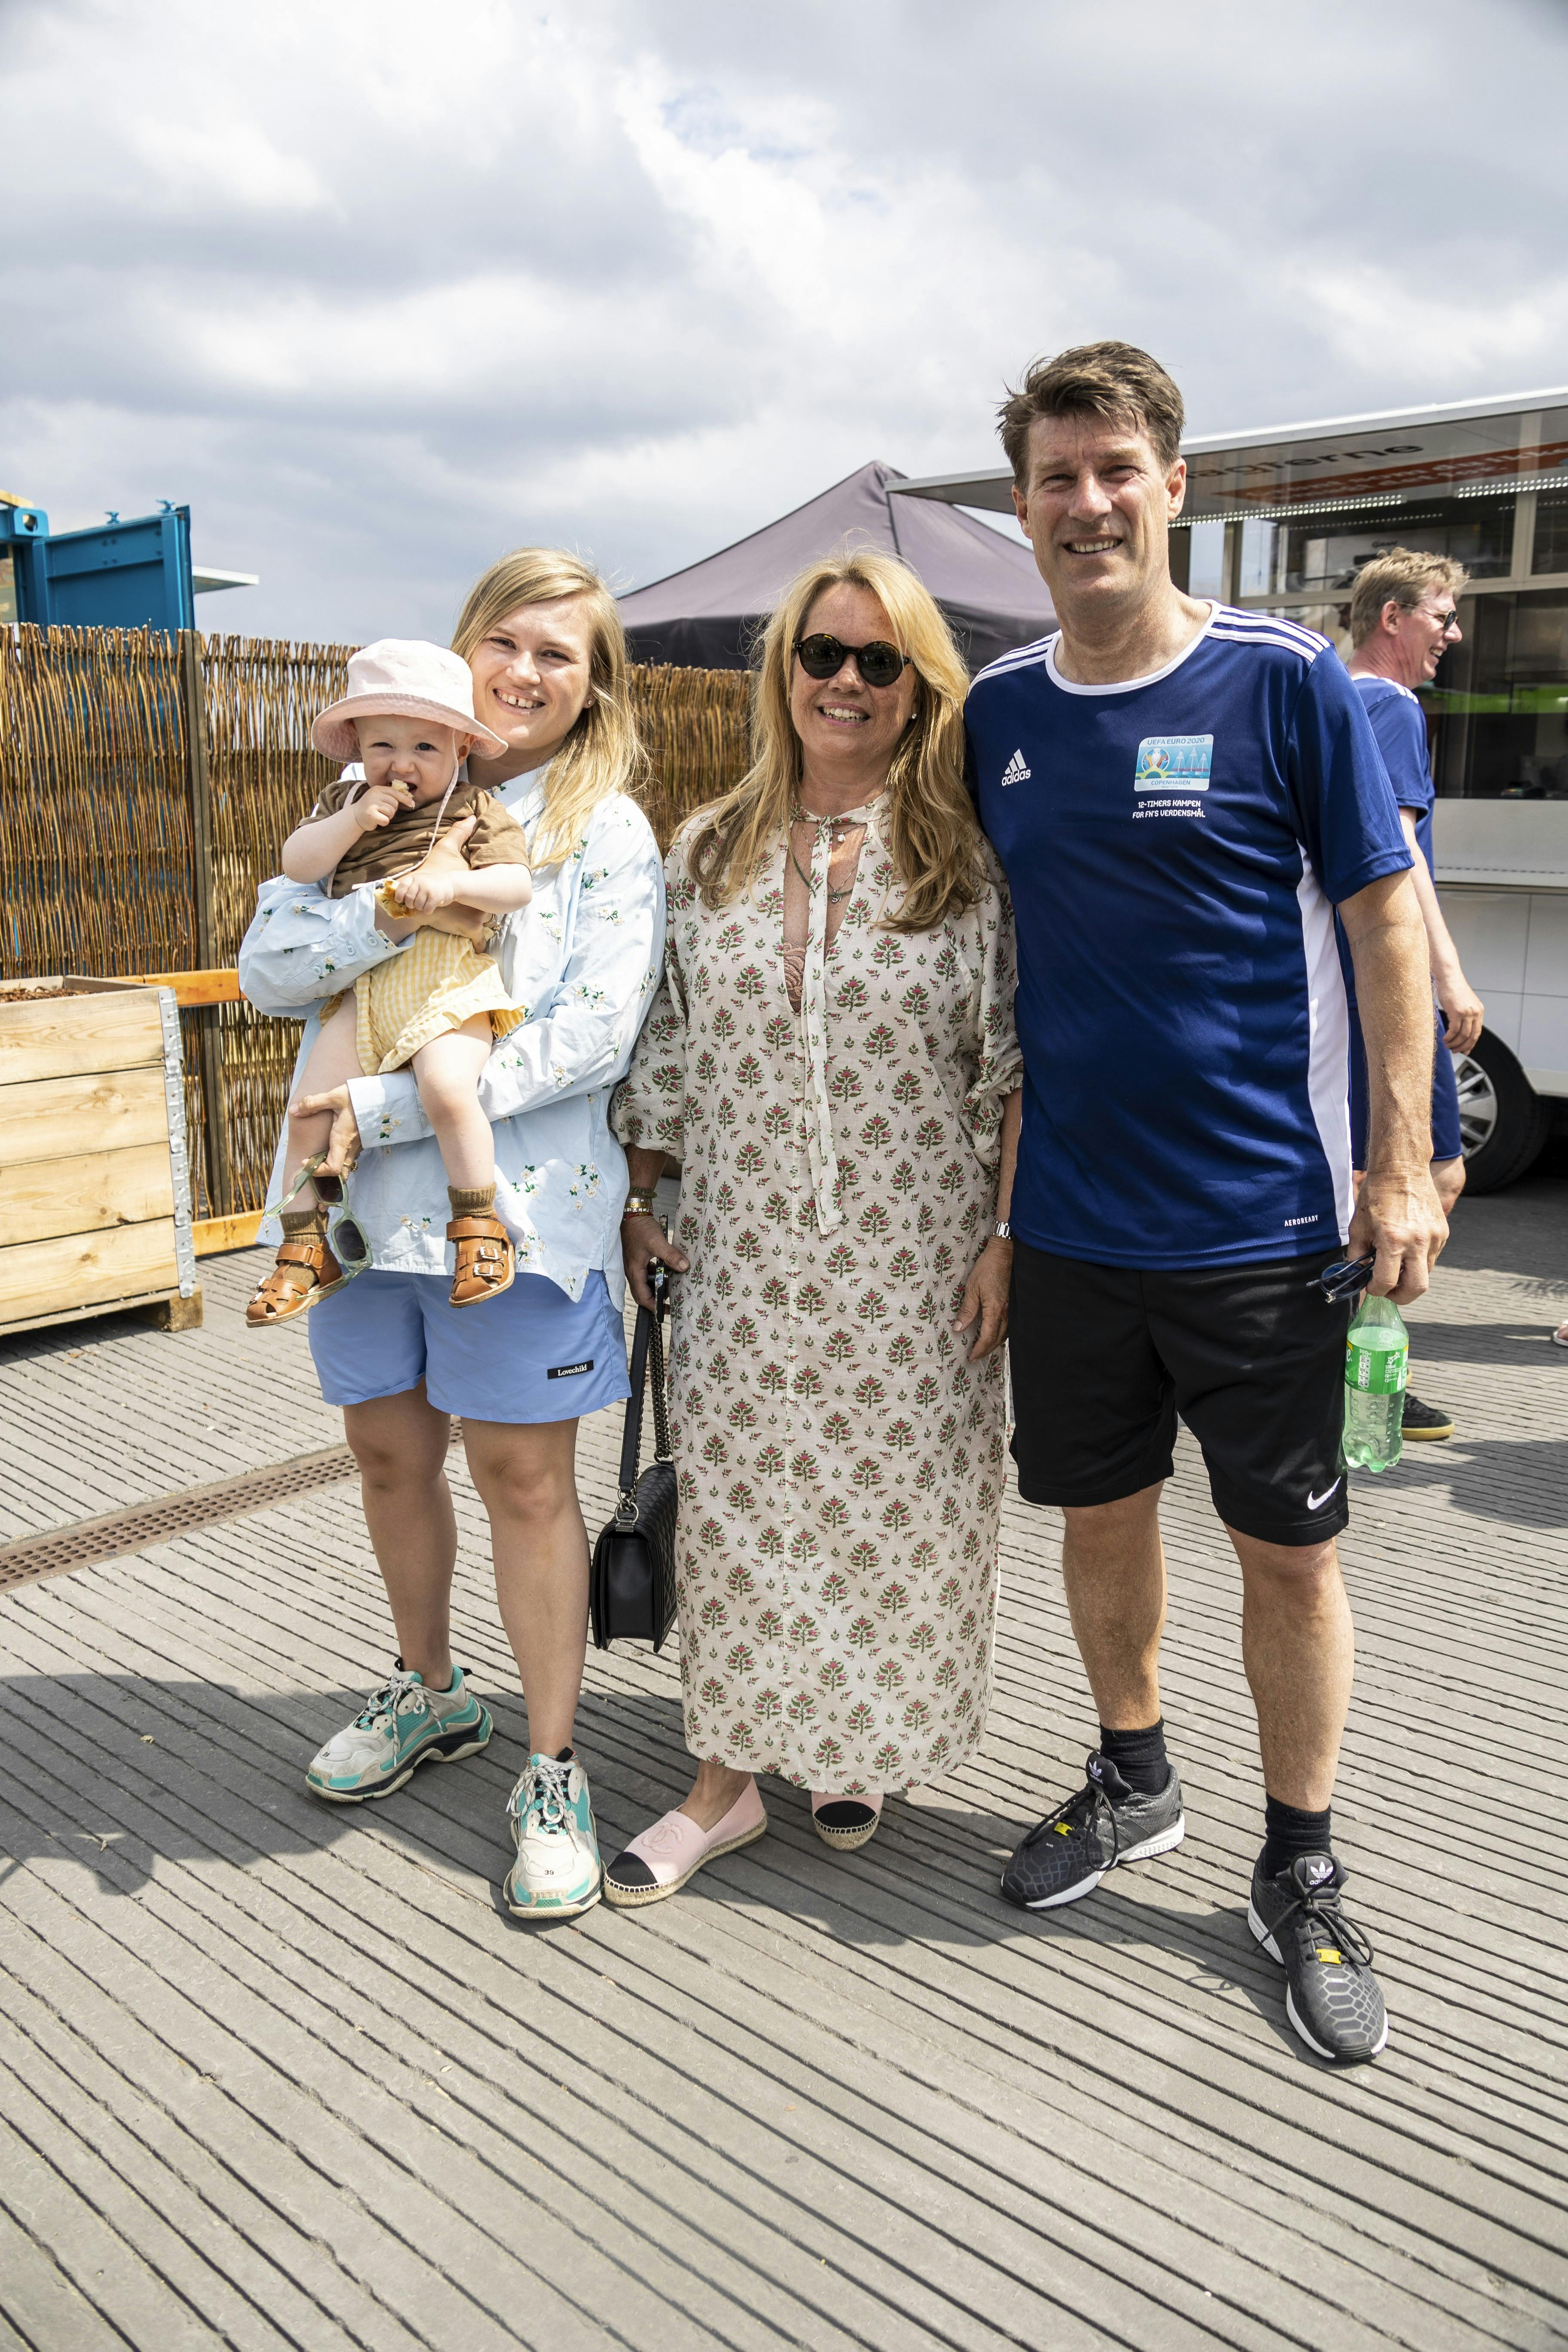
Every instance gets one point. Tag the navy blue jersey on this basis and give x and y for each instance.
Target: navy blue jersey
(1174, 850)
(1399, 724)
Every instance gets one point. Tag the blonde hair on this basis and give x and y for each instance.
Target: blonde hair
(1399, 575)
(933, 834)
(602, 754)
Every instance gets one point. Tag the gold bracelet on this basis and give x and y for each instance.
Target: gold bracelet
(640, 1204)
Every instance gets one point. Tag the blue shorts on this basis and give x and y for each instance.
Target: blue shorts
(1446, 1141)
(530, 1355)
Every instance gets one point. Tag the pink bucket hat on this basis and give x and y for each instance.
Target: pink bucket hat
(403, 677)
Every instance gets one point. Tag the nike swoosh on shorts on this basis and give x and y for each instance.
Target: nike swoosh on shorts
(1316, 1501)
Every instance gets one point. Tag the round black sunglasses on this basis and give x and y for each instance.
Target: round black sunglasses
(823, 656)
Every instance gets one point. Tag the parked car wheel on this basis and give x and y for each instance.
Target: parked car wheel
(1502, 1120)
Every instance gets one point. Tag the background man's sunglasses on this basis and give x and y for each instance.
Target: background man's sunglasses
(823, 656)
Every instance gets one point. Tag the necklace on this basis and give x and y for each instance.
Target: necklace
(839, 828)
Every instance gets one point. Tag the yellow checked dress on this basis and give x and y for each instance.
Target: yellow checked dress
(439, 980)
(435, 984)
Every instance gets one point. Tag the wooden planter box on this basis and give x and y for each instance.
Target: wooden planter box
(95, 1195)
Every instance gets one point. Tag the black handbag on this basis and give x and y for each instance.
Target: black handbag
(631, 1589)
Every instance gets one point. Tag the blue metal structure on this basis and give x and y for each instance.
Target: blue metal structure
(118, 575)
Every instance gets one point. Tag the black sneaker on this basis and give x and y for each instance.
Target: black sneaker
(1425, 1421)
(1331, 1997)
(1068, 1852)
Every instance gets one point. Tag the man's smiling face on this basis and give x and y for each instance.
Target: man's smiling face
(1096, 504)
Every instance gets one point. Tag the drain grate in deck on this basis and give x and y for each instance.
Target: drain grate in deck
(142, 1524)
(114, 1534)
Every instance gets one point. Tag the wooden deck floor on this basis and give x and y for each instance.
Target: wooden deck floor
(272, 2074)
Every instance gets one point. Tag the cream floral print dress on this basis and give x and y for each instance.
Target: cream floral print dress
(840, 1466)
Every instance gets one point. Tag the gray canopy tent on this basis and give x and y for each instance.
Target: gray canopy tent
(706, 616)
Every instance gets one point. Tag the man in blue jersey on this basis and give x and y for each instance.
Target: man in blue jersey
(1182, 795)
(1403, 618)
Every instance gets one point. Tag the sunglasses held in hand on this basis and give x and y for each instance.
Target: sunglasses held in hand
(823, 656)
(1343, 1280)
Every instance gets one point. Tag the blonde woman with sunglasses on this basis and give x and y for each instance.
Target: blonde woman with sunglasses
(543, 644)
(831, 1066)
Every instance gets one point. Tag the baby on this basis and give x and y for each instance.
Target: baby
(408, 718)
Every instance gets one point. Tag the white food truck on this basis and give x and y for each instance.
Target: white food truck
(1281, 520)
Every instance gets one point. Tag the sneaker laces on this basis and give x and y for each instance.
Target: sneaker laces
(386, 1700)
(543, 1808)
(1081, 1810)
(1320, 1912)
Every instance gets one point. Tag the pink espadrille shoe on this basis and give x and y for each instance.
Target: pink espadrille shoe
(660, 1859)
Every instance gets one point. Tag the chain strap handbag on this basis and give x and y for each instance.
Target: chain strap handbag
(631, 1590)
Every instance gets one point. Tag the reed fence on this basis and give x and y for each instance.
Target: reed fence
(147, 785)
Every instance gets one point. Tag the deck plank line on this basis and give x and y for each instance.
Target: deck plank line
(215, 2298)
(1347, 1808)
(909, 2274)
(431, 1784)
(319, 2154)
(1081, 2188)
(970, 2075)
(337, 2011)
(131, 2108)
(41, 2308)
(1265, 1972)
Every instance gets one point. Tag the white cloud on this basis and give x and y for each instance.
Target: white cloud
(382, 289)
(231, 164)
(1363, 309)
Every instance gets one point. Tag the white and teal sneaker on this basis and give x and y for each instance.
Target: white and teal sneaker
(557, 1872)
(400, 1726)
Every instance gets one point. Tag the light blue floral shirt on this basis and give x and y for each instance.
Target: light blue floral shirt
(583, 962)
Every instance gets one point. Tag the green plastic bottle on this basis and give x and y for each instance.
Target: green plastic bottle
(1377, 1363)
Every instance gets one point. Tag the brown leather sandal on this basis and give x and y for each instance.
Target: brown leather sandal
(486, 1264)
(305, 1271)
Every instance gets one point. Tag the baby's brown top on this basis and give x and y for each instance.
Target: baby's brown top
(497, 838)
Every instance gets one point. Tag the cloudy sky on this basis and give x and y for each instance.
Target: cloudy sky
(382, 287)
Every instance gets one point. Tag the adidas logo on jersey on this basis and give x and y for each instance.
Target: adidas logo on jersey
(1014, 772)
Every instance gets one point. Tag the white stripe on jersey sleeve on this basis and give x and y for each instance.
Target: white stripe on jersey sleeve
(1249, 617)
(1327, 1046)
(1021, 657)
(1238, 627)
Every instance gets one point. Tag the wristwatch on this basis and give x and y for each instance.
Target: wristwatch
(1002, 1231)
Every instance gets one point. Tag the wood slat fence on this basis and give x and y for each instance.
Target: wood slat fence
(148, 785)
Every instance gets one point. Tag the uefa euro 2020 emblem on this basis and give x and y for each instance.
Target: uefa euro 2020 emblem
(1175, 763)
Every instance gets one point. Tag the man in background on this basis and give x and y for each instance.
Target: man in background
(1402, 620)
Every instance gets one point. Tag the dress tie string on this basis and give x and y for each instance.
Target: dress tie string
(822, 1149)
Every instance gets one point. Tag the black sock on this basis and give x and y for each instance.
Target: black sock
(1287, 1831)
(1137, 1756)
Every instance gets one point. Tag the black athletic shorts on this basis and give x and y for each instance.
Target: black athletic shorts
(1252, 1357)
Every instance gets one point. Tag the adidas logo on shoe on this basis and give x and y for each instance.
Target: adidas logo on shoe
(1015, 772)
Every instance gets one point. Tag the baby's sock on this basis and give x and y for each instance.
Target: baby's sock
(297, 1222)
(478, 1202)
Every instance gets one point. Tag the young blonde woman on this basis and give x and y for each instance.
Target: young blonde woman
(542, 640)
(831, 1063)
